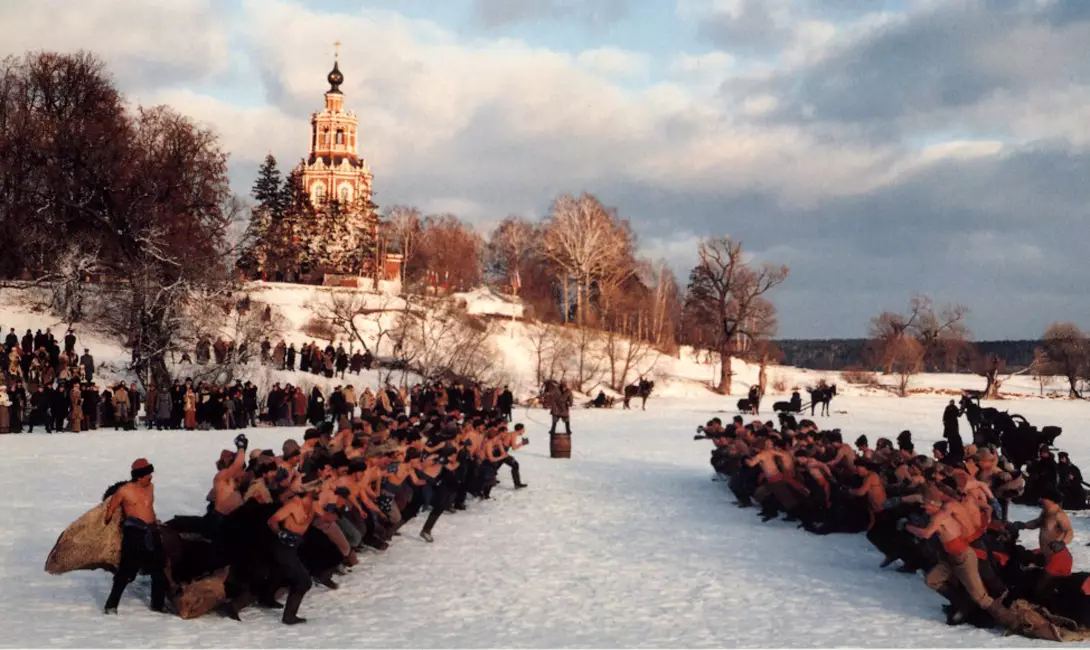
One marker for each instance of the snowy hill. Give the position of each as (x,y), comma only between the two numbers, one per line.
(524,352)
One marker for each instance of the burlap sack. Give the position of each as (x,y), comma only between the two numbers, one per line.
(1036,622)
(199,597)
(87,544)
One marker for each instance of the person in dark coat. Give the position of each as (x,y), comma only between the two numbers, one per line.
(1069,479)
(560,401)
(39,409)
(950,430)
(289,359)
(316,407)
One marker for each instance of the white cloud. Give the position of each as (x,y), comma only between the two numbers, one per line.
(614,62)
(147,43)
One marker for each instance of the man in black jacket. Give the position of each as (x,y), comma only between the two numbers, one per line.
(39,409)
(950,431)
(505,402)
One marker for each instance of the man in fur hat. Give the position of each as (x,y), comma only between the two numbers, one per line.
(141,547)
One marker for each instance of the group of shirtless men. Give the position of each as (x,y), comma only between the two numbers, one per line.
(349,489)
(947,520)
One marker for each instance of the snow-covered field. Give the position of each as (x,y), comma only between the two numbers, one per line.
(630,543)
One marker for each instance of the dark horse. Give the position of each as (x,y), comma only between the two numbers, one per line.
(821,395)
(642,390)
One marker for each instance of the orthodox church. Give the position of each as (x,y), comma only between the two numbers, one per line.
(334,171)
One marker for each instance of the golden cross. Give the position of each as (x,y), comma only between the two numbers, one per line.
(336,48)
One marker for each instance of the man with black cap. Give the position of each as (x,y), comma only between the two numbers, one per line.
(141,547)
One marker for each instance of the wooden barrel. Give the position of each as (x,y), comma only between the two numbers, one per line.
(560,445)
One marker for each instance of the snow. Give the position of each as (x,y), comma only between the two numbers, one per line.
(629,543)
(486,302)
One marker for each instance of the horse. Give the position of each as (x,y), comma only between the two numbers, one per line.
(821,395)
(642,390)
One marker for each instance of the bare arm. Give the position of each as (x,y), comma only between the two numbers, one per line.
(932,528)
(115,503)
(278,517)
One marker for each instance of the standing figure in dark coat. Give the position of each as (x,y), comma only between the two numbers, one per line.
(950,430)
(1069,479)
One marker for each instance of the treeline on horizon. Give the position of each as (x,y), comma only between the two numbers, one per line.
(842,354)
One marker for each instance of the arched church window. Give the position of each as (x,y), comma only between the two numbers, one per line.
(340,136)
(319,194)
(346,194)
(325,136)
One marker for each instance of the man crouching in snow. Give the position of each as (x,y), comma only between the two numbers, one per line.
(141,547)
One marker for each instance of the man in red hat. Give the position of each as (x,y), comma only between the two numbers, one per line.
(141,547)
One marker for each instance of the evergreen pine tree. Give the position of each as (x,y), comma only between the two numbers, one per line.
(266,191)
(267,188)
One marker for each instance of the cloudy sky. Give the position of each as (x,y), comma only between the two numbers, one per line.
(877,147)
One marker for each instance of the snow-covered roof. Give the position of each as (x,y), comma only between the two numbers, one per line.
(483,301)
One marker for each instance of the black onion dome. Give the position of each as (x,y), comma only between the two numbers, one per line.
(335,79)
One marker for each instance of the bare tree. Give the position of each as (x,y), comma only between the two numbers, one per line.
(906,357)
(726,305)
(509,247)
(992,369)
(404,224)
(443,342)
(586,348)
(1068,352)
(584,239)
(1042,369)
(361,317)
(550,348)
(939,332)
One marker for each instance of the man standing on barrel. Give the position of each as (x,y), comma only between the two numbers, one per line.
(559,401)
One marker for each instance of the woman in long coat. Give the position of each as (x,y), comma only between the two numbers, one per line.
(190,409)
(76,417)
(299,407)
(164,409)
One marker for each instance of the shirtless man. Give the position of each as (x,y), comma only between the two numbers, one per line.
(1054,536)
(289,524)
(775,483)
(513,441)
(958,562)
(226,497)
(141,547)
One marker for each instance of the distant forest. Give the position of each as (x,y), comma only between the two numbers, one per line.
(838,354)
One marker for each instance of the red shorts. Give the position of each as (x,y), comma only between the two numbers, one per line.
(956,546)
(1060,564)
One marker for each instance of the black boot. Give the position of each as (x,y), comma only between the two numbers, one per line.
(291,609)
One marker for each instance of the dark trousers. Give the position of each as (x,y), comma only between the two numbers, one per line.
(444,496)
(140,549)
(291,570)
(40,418)
(467,483)
(514,465)
(567,424)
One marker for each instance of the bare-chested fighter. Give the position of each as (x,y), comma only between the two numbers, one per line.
(226,497)
(1054,536)
(141,547)
(958,563)
(290,523)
